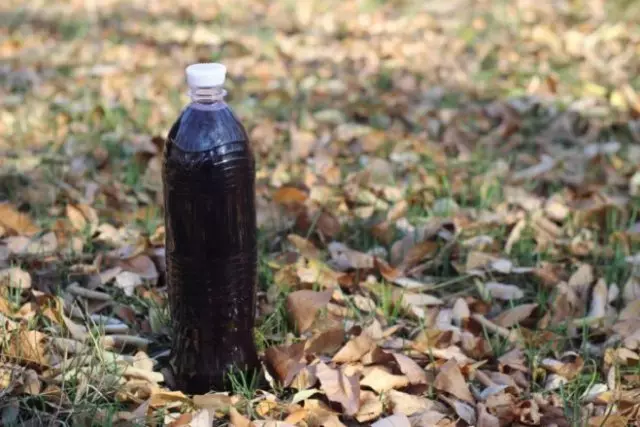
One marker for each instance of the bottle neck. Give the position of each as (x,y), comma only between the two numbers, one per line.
(207,95)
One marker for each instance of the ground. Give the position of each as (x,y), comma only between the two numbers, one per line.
(448,197)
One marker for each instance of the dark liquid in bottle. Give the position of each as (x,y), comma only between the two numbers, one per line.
(209,181)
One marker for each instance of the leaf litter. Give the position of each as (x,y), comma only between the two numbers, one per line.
(443,242)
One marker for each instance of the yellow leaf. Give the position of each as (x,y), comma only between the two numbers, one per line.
(289,196)
(17,221)
(78,222)
(160,398)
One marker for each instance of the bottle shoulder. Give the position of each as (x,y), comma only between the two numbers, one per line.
(202,127)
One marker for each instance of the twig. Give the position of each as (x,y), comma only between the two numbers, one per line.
(77,290)
(111,341)
(499,330)
(151,376)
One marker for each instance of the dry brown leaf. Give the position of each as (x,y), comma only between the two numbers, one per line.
(411,369)
(215,402)
(77,219)
(161,398)
(286,361)
(431,419)
(238,420)
(319,415)
(27,346)
(477,260)
(12,219)
(289,196)
(354,349)
(370,407)
(340,388)
(141,265)
(306,248)
(42,245)
(420,300)
(15,277)
(609,420)
(450,379)
(418,253)
(304,305)
(485,419)
(599,300)
(393,421)
(381,381)
(345,258)
(463,410)
(408,404)
(569,365)
(325,342)
(503,291)
(31,383)
(202,418)
(514,315)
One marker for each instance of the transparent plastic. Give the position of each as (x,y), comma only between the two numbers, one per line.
(211,252)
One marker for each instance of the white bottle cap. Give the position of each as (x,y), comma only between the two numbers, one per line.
(207,74)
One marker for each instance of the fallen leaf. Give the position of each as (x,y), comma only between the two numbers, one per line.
(306,248)
(27,346)
(42,245)
(370,407)
(345,258)
(381,381)
(289,196)
(393,421)
(609,420)
(515,315)
(161,398)
(325,342)
(599,295)
(354,349)
(503,292)
(15,277)
(141,265)
(411,369)
(485,419)
(420,300)
(202,418)
(286,361)
(238,420)
(12,219)
(408,404)
(450,379)
(303,306)
(128,282)
(463,410)
(215,401)
(31,383)
(340,388)
(569,365)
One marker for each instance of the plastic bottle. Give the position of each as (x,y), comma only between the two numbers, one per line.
(211,253)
